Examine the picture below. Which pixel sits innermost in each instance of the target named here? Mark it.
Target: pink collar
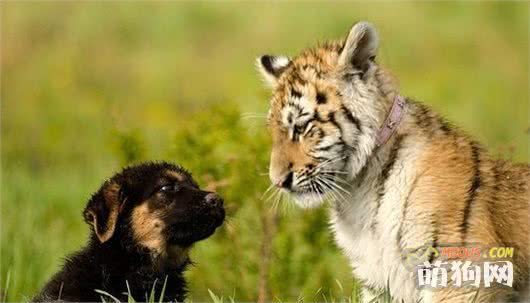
(392, 120)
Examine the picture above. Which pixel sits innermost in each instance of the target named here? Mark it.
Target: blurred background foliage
(87, 87)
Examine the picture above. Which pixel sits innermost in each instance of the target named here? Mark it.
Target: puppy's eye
(172, 188)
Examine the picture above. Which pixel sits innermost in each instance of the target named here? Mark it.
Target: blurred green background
(87, 87)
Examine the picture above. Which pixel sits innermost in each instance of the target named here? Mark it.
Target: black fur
(266, 61)
(296, 94)
(188, 215)
(321, 98)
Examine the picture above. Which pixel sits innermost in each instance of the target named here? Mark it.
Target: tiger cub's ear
(360, 47)
(103, 209)
(272, 67)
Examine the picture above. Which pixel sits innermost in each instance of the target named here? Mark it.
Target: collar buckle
(392, 120)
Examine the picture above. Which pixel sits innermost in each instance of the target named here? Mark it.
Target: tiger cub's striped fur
(429, 184)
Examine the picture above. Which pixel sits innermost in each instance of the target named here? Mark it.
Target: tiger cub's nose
(286, 182)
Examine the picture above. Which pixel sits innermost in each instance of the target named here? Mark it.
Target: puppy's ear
(272, 67)
(360, 47)
(103, 209)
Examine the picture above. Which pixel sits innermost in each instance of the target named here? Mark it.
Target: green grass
(87, 87)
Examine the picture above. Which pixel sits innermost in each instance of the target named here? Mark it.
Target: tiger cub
(397, 175)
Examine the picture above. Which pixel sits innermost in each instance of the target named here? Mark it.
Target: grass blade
(102, 292)
(130, 298)
(215, 298)
(7, 285)
(161, 299)
(152, 294)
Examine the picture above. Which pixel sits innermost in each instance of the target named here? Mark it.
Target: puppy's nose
(214, 199)
(286, 182)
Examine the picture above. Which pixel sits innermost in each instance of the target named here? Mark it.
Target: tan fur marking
(147, 228)
(111, 201)
(177, 176)
(450, 195)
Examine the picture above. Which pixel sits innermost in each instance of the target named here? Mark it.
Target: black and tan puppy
(143, 222)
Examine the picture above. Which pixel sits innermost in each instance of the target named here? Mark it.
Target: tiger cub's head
(326, 108)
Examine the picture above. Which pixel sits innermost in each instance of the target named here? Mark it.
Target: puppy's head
(158, 206)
